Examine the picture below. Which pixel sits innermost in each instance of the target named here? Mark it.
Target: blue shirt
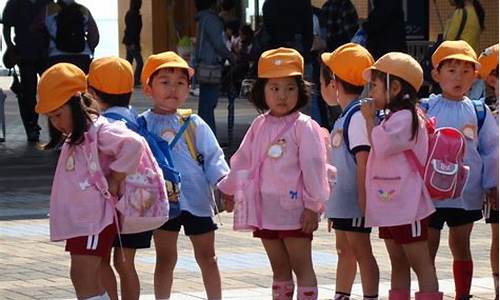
(196, 180)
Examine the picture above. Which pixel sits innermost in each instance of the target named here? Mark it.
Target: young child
(342, 84)
(489, 73)
(455, 64)
(166, 77)
(85, 219)
(286, 148)
(111, 83)
(396, 197)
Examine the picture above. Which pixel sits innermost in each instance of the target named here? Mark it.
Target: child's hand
(309, 221)
(368, 109)
(228, 202)
(492, 197)
(114, 182)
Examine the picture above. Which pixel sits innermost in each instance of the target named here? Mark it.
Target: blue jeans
(209, 95)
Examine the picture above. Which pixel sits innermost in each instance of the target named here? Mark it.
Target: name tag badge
(470, 131)
(277, 149)
(337, 138)
(168, 135)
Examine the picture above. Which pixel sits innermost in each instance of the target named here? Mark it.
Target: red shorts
(406, 234)
(96, 245)
(281, 234)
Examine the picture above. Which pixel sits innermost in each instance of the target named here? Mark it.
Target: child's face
(169, 90)
(492, 81)
(62, 119)
(281, 95)
(328, 91)
(455, 78)
(378, 92)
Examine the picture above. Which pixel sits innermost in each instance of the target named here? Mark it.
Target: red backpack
(444, 172)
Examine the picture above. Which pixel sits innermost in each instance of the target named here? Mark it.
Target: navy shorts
(352, 225)
(453, 217)
(193, 225)
(490, 214)
(141, 240)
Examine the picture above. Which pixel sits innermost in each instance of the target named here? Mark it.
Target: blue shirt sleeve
(488, 150)
(214, 165)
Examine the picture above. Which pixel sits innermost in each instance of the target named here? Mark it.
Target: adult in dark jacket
(385, 28)
(289, 24)
(29, 51)
(210, 50)
(132, 37)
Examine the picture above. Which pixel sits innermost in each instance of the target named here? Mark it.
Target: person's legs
(27, 101)
(125, 266)
(209, 95)
(138, 65)
(204, 252)
(300, 258)
(419, 259)
(85, 275)
(108, 278)
(346, 265)
(459, 242)
(368, 268)
(283, 286)
(494, 256)
(434, 238)
(400, 268)
(166, 258)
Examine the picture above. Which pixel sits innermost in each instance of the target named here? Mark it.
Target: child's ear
(396, 87)
(147, 89)
(435, 75)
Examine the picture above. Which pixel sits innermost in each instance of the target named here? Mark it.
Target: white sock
(101, 297)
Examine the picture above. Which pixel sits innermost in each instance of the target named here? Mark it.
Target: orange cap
(459, 50)
(168, 59)
(111, 75)
(401, 65)
(488, 60)
(281, 62)
(348, 62)
(57, 85)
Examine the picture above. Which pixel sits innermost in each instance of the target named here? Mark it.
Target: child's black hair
(406, 99)
(170, 70)
(449, 61)
(82, 108)
(348, 87)
(122, 100)
(257, 96)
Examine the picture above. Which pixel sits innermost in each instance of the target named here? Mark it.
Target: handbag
(207, 73)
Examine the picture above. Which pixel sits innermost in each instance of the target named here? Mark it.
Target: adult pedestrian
(471, 13)
(341, 20)
(210, 55)
(385, 28)
(72, 31)
(132, 38)
(29, 52)
(289, 24)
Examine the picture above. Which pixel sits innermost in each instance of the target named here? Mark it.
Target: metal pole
(256, 13)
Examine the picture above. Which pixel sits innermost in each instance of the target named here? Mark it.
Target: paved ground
(34, 268)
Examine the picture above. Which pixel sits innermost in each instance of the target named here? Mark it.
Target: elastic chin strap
(336, 89)
(387, 84)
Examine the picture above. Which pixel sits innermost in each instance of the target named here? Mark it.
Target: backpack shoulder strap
(188, 129)
(480, 110)
(345, 126)
(116, 116)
